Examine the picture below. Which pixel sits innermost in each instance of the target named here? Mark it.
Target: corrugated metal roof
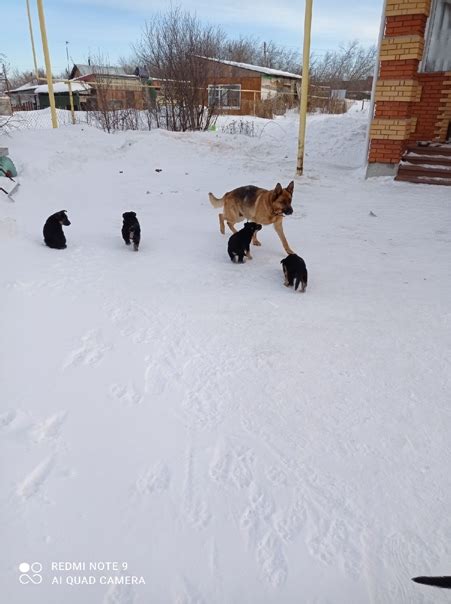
(109, 70)
(29, 86)
(265, 70)
(58, 87)
(62, 87)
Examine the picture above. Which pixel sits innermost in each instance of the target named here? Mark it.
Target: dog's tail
(435, 581)
(215, 202)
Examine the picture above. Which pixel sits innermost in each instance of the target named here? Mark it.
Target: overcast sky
(111, 26)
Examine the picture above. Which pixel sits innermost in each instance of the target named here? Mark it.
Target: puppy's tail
(435, 581)
(215, 202)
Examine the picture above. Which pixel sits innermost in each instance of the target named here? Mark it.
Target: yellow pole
(304, 86)
(71, 99)
(48, 67)
(30, 25)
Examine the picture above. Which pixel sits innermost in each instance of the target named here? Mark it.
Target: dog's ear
(290, 187)
(133, 214)
(277, 191)
(124, 215)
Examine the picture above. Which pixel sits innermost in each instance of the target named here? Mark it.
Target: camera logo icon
(30, 573)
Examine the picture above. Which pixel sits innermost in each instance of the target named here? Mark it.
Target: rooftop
(265, 70)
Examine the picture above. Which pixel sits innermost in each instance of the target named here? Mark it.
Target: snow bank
(226, 439)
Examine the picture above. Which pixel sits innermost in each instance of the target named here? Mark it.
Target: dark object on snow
(53, 230)
(434, 581)
(131, 231)
(295, 271)
(372, 214)
(240, 242)
(158, 170)
(7, 168)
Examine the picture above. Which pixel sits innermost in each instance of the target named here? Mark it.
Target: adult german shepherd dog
(256, 205)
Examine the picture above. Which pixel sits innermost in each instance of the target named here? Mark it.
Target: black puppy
(295, 271)
(239, 243)
(53, 230)
(131, 231)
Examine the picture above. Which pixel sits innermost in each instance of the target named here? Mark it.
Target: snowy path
(231, 441)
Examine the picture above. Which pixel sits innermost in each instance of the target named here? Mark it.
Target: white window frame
(217, 94)
(436, 22)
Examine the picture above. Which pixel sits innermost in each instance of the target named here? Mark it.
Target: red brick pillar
(397, 87)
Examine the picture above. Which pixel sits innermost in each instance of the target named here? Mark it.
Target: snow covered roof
(28, 87)
(59, 87)
(265, 70)
(109, 70)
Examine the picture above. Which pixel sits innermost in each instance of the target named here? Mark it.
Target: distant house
(23, 97)
(111, 87)
(237, 87)
(33, 96)
(353, 89)
(411, 123)
(80, 92)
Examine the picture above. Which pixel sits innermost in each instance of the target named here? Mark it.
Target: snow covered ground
(230, 441)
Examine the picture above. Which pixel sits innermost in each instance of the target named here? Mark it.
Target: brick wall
(402, 48)
(395, 8)
(403, 25)
(428, 108)
(444, 114)
(409, 106)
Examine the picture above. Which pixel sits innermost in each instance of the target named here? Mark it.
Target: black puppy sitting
(295, 271)
(53, 230)
(131, 231)
(239, 243)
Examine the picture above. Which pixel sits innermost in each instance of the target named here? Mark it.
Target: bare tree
(4, 85)
(242, 49)
(103, 109)
(170, 47)
(19, 78)
(351, 62)
(266, 54)
(128, 64)
(278, 57)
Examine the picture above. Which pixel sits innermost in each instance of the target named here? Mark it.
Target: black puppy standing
(240, 242)
(295, 271)
(131, 231)
(53, 230)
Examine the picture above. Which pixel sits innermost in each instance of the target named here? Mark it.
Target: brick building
(111, 87)
(413, 89)
(239, 88)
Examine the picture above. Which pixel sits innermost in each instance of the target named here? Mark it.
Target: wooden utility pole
(304, 86)
(6, 78)
(71, 100)
(48, 66)
(30, 25)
